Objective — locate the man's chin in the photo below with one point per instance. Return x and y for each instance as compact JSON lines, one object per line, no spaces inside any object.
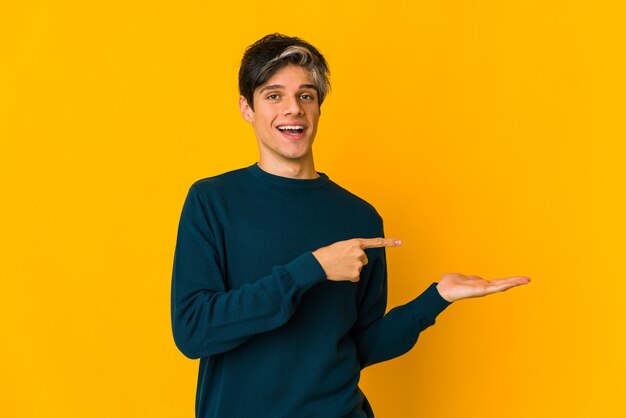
{"x":297,"y":154}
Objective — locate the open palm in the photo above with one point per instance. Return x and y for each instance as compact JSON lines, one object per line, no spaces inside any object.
{"x":456,"y":286}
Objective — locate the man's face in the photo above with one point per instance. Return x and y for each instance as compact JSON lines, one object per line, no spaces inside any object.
{"x":285,"y":116}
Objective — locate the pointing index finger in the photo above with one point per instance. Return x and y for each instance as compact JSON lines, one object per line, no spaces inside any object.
{"x":379,"y":242}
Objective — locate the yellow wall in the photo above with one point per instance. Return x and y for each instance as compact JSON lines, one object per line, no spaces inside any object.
{"x":490,"y":136}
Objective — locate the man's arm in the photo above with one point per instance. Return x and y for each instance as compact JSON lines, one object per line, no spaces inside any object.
{"x":208,"y":319}
{"x":381,"y":337}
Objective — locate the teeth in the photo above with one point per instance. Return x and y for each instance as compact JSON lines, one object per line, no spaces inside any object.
{"x":291,"y":128}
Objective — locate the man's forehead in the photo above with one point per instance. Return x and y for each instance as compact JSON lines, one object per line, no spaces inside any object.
{"x":290,"y":73}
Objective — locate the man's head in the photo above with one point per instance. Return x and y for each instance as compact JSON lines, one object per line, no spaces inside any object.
{"x":283,"y":82}
{"x":273,"y":52}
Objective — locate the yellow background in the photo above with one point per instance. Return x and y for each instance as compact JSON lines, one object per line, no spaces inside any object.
{"x":488,"y":134}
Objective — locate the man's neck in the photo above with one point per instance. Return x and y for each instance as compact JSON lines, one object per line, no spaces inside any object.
{"x":295,"y":170}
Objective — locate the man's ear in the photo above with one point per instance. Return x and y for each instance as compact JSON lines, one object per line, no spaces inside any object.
{"x":246,"y":111}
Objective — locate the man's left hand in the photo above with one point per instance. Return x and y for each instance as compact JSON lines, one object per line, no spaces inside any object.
{"x":456,"y":286}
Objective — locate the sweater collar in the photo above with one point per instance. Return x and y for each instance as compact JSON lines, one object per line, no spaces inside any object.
{"x":260,"y":174}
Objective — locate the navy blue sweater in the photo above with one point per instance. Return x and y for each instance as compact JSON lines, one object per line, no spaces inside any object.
{"x":275,"y":338}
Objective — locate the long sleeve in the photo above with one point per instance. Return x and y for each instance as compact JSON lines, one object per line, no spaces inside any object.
{"x":207,"y":318}
{"x":381,"y":337}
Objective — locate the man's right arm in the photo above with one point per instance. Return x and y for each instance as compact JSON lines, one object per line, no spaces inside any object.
{"x":208,"y":319}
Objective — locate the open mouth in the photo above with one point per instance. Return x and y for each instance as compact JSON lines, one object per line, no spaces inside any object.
{"x":291,"y":129}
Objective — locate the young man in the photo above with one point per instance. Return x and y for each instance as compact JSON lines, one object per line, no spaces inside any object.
{"x":279,"y":282}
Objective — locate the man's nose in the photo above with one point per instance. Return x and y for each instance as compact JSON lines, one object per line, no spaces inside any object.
{"x":293,"y":107}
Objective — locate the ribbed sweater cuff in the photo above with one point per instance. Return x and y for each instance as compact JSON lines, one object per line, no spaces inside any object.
{"x":305,"y":271}
{"x":429,"y":305}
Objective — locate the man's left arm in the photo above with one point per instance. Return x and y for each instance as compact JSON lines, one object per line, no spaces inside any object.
{"x":381,"y":337}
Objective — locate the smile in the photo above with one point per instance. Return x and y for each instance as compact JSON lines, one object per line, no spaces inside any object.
{"x":296,"y":129}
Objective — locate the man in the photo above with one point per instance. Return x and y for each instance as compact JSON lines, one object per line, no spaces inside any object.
{"x":279,"y":282}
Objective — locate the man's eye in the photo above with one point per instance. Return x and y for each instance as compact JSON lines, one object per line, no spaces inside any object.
{"x":306,"y":97}
{"x":273,"y":97}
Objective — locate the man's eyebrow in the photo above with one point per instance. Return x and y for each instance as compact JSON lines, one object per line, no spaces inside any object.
{"x":272,"y":87}
{"x":281,"y":87}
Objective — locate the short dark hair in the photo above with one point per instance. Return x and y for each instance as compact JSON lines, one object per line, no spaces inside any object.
{"x":272,"y":52}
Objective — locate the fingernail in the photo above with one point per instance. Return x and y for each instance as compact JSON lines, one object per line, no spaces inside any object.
{"x":398,"y":242}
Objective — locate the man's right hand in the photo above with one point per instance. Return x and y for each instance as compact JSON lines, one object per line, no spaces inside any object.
{"x":343,"y":260}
